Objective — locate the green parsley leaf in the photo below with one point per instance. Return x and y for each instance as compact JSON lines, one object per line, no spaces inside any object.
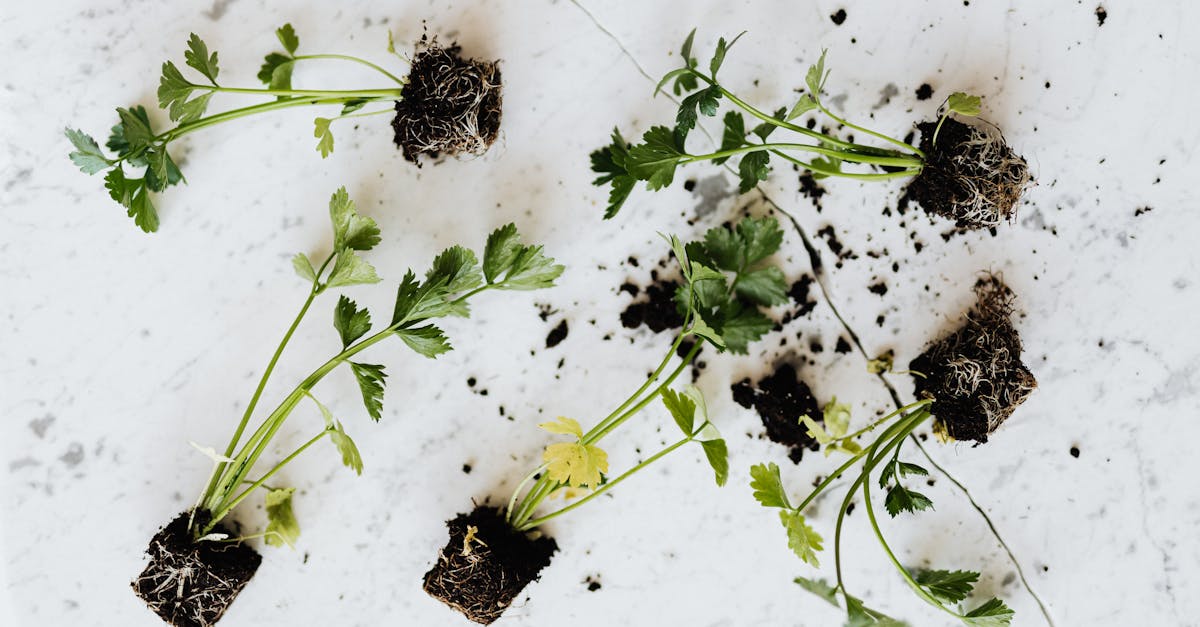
{"x":510,"y":265}
{"x":287,"y":37}
{"x":198,"y":58}
{"x":803,"y":540}
{"x":135,"y":129}
{"x":717,"y":455}
{"x":351,"y":458}
{"x":351,"y":230}
{"x":858,"y":615}
{"x":304,"y":268}
{"x":427,"y":340}
{"x":563,"y":426}
{"x":350,"y":269}
{"x":609,"y":163}
{"x":282,"y":527}
{"x":87,"y":155}
{"x":734,"y":135}
{"x":351,"y":106}
{"x":456,"y":269}
{"x":899,"y":499}
{"x":767,"y":486}
{"x":760,"y":238}
{"x":815,"y":79}
{"x":272,"y":64}
{"x":682,"y":409}
{"x":820,"y":588}
{"x":655,"y":160}
{"x":719,"y":56}
{"x":371,"y":381}
{"x":744,"y":328}
{"x":700,"y":328}
{"x":686,"y":81}
{"x":764,"y":130}
{"x":324,"y":136}
{"x":992,"y":613}
{"x":752,"y":169}
{"x":705,"y":101}
{"x":805,"y":104}
{"x":765,"y":287}
{"x":948,"y":586}
{"x":350,"y":321}
{"x":964,"y":104}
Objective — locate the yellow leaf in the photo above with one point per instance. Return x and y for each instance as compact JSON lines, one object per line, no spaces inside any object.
{"x":564,"y":426}
{"x":575,"y":464}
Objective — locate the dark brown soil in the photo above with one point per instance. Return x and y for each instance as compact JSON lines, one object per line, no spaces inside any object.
{"x":191,"y":584}
{"x":780,"y":400}
{"x":970,"y":176}
{"x":449,"y":105}
{"x":657,"y":311}
{"x":557,"y":335}
{"x":975,"y":374}
{"x":924,"y":92}
{"x":483,"y":577}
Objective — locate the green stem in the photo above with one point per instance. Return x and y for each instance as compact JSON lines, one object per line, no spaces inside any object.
{"x":604,"y":488}
{"x":902,"y":145}
{"x":631,"y":412}
{"x":221,"y":513}
{"x":512,"y":501}
{"x":346,"y":57}
{"x":353,"y":94}
{"x":225,"y":116}
{"x":873,"y":176}
{"x":854,"y":157}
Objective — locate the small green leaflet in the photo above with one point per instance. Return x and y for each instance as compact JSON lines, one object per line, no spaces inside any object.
{"x":351,"y":458}
{"x":820,"y":588}
{"x":718,"y":457}
{"x":510,"y":265}
{"x":609,"y":163}
{"x":686,"y":81}
{"x":734,"y":135}
{"x":948,"y":586}
{"x":304,"y":268}
{"x":350,"y":269}
{"x":198,"y":58}
{"x":815,"y":79}
{"x":700,"y":328}
{"x":287,"y":37}
{"x":282,"y":527}
{"x":427,"y":340}
{"x":350,"y":230}
{"x":753,"y":168}
{"x":992,"y":613}
{"x":859,"y":615}
{"x":743,"y":328}
{"x":324,"y":136}
{"x":903,"y":468}
{"x":764,"y":130}
{"x":134,"y":196}
{"x":719,"y":56}
{"x":350,"y":321}
{"x":899,"y":499}
{"x":276,"y":71}
{"x":371,"y":380}
{"x":805,"y":104}
{"x":764,"y":287}
{"x":964,"y":104}
{"x":705,"y":101}
{"x":655,"y":160}
{"x":803,"y":540}
{"x":751,"y":241}
{"x":136,"y":133}
{"x":173,"y":93}
{"x":767,"y":486}
{"x":682,"y":409}
{"x":87,"y":155}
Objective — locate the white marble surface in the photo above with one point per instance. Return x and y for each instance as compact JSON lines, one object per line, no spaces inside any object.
{"x":118,"y":348}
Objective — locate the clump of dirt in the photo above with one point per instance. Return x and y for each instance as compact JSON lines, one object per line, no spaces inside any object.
{"x":975,"y":375}
{"x":811,"y":189}
{"x":780,"y":400}
{"x":657,"y":311}
{"x":486,"y":564}
{"x":191,"y":584}
{"x":970,"y":176}
{"x":557,"y":334}
{"x":449,"y":105}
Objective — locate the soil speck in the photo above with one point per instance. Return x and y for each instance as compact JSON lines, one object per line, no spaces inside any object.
{"x":593,"y":583}
{"x":1101,"y":15}
{"x":1075,"y":452}
{"x":557,"y":335}
{"x":839,"y":18}
{"x":924,"y":92}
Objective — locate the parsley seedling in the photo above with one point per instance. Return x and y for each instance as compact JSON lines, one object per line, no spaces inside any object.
{"x":879,"y":461}
{"x":455,"y":277}
{"x":990,"y":178}
{"x":140,"y":163}
{"x":726,"y":280}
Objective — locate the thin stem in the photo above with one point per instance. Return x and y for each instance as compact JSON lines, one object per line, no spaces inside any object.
{"x":650,"y":397}
{"x":604,"y":488}
{"x":855,"y":157}
{"x":225,"y":116}
{"x":895,"y":142}
{"x":346,"y":57}
{"x":874,"y":176}
{"x":352,"y":94}
{"x":512,"y":501}
{"x":364,"y":115}
{"x":219,"y":514}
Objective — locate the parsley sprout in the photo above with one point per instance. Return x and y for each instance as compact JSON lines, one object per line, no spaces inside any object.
{"x":455,"y":277}
{"x":141,"y":164}
{"x":942,"y":589}
{"x":989,"y":177}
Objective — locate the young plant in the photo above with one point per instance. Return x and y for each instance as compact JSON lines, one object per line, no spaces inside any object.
{"x":971,"y":177}
{"x":492,"y":554}
{"x":198,"y":564}
{"x":970,"y":382}
{"x":446,"y":105}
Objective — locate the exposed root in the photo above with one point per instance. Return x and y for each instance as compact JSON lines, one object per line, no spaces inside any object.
{"x":486,"y":564}
{"x":970,"y":176}
{"x":191,"y":584}
{"x":975,"y":374}
{"x":449,"y":105}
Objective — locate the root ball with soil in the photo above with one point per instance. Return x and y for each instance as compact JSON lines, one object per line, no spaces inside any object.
{"x":975,"y":374}
{"x":450,"y":105}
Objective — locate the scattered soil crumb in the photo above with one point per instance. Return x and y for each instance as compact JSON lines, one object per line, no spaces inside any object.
{"x":879,"y":288}
{"x":839,"y":18}
{"x":924,"y":92}
{"x":593,"y":583}
{"x":557,"y":335}
{"x":843,"y":347}
{"x":1101,"y":15}
{"x":780,"y":400}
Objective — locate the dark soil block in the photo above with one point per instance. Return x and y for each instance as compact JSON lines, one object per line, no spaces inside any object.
{"x":970,"y":176}
{"x":481,"y":578}
{"x":191,"y":584}
{"x":780,"y":400}
{"x":975,"y":374}
{"x":449,"y":105}
{"x":659,"y":311}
